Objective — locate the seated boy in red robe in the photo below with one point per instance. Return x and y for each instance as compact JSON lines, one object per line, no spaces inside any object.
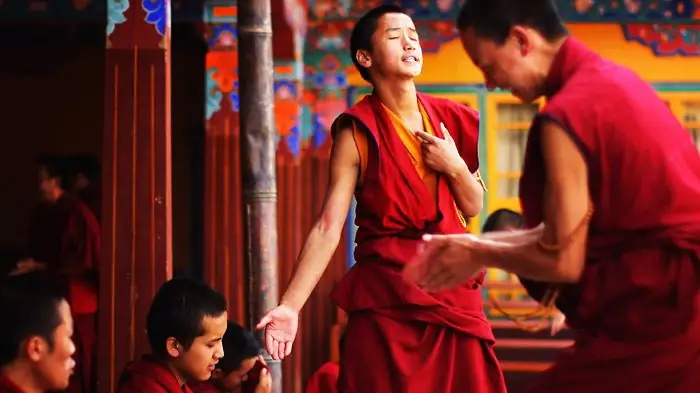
{"x":186,"y":325}
{"x":234,"y":373}
{"x":35,"y":340}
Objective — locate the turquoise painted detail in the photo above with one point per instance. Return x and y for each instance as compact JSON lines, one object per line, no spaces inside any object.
{"x":208,"y":12}
{"x":213,"y":95}
{"x":115,"y":14}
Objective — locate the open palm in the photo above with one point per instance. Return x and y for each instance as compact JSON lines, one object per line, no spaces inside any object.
{"x":280,"y":324}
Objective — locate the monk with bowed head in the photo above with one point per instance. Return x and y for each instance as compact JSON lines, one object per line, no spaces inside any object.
{"x":185,"y":325}
{"x":610,"y":191}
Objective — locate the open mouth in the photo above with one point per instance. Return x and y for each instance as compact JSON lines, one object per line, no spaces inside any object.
{"x":410,"y":60}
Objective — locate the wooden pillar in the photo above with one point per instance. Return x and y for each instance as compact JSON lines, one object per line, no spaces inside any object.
{"x":258,"y":162}
{"x":136,"y":238}
{"x":224,"y":266}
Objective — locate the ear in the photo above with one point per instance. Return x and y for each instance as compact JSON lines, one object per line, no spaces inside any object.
{"x":522,"y":39}
{"x":35,"y":348}
{"x":173,"y":347}
{"x":364,"y":58}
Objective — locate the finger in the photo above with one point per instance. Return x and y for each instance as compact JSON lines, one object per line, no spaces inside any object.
{"x":261,"y":359}
{"x":441,"y":281}
{"x":281,"y":349}
{"x":275,"y":349}
{"x":288,"y":348}
{"x":427,"y":137}
{"x":265,"y":378}
{"x":417,"y":267}
{"x":263,"y":322}
{"x":421,"y":266}
{"x":446,"y":133}
{"x":435,"y":268}
{"x":269,"y":342}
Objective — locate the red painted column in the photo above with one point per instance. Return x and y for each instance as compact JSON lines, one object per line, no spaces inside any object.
{"x":136,"y":212}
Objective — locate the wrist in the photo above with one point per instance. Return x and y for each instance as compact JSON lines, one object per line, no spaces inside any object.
{"x":459,"y":170}
{"x":292,"y":304}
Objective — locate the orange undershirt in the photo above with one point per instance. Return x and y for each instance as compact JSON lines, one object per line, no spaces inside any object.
{"x":411,"y":143}
{"x":413,"y":147}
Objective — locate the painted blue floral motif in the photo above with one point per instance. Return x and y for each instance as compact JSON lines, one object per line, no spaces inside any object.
{"x":214,"y":95}
{"x":156,"y":14}
{"x":115,"y":14}
{"x":320,"y":134}
{"x":234,"y":97}
{"x":294,"y":141}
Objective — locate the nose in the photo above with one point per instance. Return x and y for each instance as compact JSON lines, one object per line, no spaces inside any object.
{"x":408,"y":45}
{"x":71,"y":348}
{"x":219,"y":353}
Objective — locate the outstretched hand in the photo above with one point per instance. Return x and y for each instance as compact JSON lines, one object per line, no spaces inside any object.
{"x":280,"y":324}
{"x":443,"y":262}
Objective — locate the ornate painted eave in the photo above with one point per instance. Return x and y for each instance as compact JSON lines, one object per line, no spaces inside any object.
{"x":573,"y":11}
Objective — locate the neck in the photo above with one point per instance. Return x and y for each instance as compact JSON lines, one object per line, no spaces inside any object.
{"x":21,"y":375}
{"x":548,"y":54}
{"x":400,"y":98}
{"x":181,"y":380}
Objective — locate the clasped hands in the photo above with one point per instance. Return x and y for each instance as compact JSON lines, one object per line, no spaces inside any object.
{"x":444,"y":262}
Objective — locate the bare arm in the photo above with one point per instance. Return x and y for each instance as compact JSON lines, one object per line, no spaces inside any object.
{"x":467,"y":191}
{"x":566,"y":205}
{"x":326,"y":232}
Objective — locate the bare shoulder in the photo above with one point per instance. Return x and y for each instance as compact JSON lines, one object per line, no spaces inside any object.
{"x":344,"y":149}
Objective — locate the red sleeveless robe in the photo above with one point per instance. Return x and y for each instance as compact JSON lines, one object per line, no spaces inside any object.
{"x":636,"y":306}
{"x":399,"y":338}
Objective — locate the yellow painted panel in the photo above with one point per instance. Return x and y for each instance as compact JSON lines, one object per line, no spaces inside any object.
{"x":452,"y":66}
{"x":494,"y":198}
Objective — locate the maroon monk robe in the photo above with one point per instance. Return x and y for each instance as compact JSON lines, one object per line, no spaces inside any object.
{"x":324,"y":380}
{"x":636,"y":305}
{"x":203,"y":387}
{"x":7,"y":386}
{"x":148,"y":375}
{"x":91,"y":197}
{"x":66,"y":237}
{"x":400,"y":338}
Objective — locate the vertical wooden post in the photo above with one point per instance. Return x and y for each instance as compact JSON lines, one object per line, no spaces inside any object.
{"x":136,"y":223}
{"x":224,"y":265}
{"x":258,"y":160}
